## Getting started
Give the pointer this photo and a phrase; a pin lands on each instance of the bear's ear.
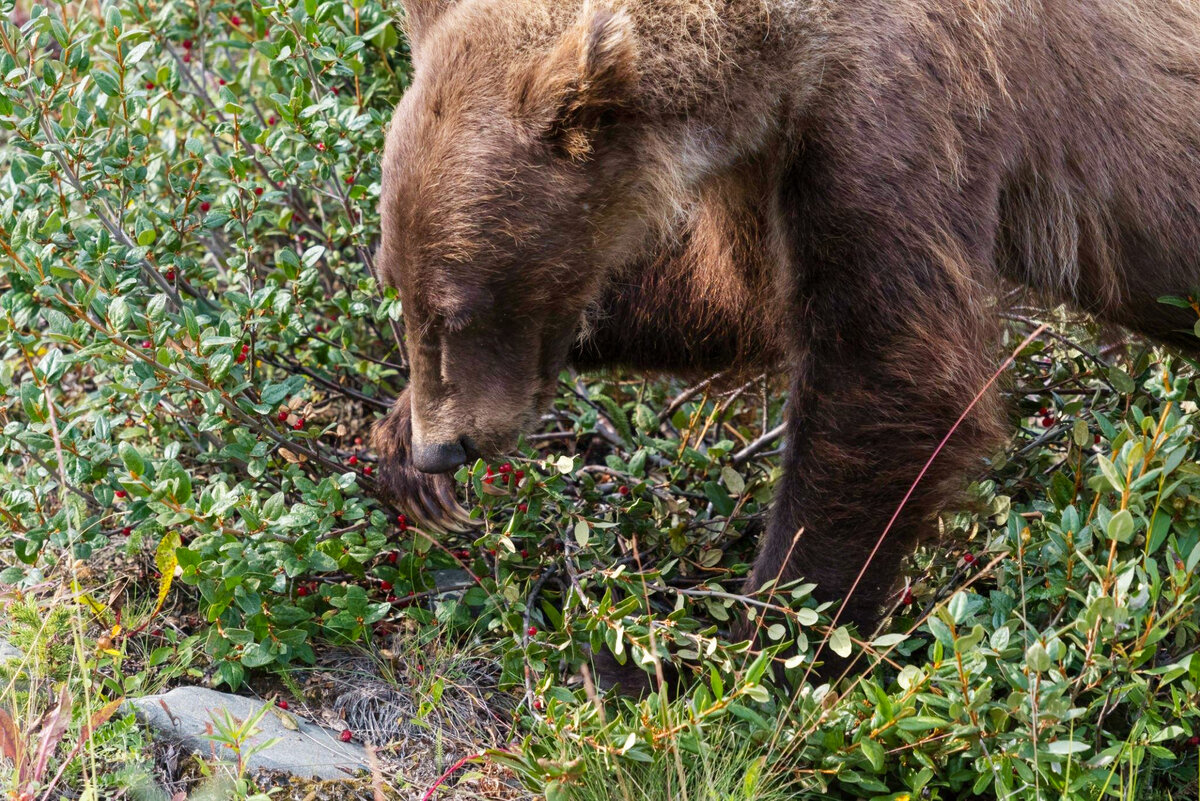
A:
(419, 15)
(590, 71)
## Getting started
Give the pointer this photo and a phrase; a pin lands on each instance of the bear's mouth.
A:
(471, 449)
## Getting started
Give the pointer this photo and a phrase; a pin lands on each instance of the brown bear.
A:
(836, 188)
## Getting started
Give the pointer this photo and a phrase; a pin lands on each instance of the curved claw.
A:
(429, 500)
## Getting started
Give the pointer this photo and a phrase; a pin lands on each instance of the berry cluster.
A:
(505, 473)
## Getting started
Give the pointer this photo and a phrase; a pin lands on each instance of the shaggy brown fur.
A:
(837, 187)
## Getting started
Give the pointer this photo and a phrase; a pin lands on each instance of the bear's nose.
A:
(439, 457)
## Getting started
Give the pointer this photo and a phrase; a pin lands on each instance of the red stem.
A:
(441, 780)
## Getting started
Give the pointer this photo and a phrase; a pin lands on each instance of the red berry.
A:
(402, 522)
(411, 593)
(624, 490)
(205, 206)
(1043, 411)
(386, 586)
(969, 558)
(489, 480)
(170, 275)
(147, 345)
(907, 600)
(258, 190)
(187, 44)
(524, 554)
(523, 508)
(1194, 740)
(393, 557)
(321, 146)
(1097, 439)
(299, 424)
(302, 591)
(1047, 422)
(235, 20)
(520, 474)
(368, 470)
(245, 348)
(121, 493)
(353, 460)
(506, 468)
(241, 358)
(539, 704)
(349, 179)
(282, 705)
(271, 120)
(391, 599)
(220, 81)
(358, 440)
(149, 84)
(282, 417)
(127, 531)
(492, 551)
(532, 632)
(187, 58)
(347, 736)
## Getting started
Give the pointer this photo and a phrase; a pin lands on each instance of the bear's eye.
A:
(457, 322)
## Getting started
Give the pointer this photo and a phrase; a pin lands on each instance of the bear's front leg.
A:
(866, 416)
(893, 341)
(428, 499)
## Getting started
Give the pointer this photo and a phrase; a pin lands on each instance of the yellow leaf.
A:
(96, 607)
(167, 560)
(289, 722)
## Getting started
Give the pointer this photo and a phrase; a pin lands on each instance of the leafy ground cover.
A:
(193, 347)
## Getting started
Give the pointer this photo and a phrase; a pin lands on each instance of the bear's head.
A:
(506, 163)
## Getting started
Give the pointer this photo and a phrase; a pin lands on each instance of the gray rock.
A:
(309, 752)
(451, 582)
(8, 652)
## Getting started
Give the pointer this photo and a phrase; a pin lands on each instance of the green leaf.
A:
(1065, 747)
(873, 751)
(132, 459)
(1121, 526)
(118, 313)
(733, 481)
(256, 655)
(107, 82)
(1037, 659)
(920, 723)
(1121, 381)
(839, 642)
(137, 53)
(1081, 434)
(1110, 472)
(888, 640)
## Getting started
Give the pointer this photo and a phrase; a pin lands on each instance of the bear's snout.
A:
(439, 457)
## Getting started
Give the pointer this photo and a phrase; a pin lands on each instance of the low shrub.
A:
(193, 345)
